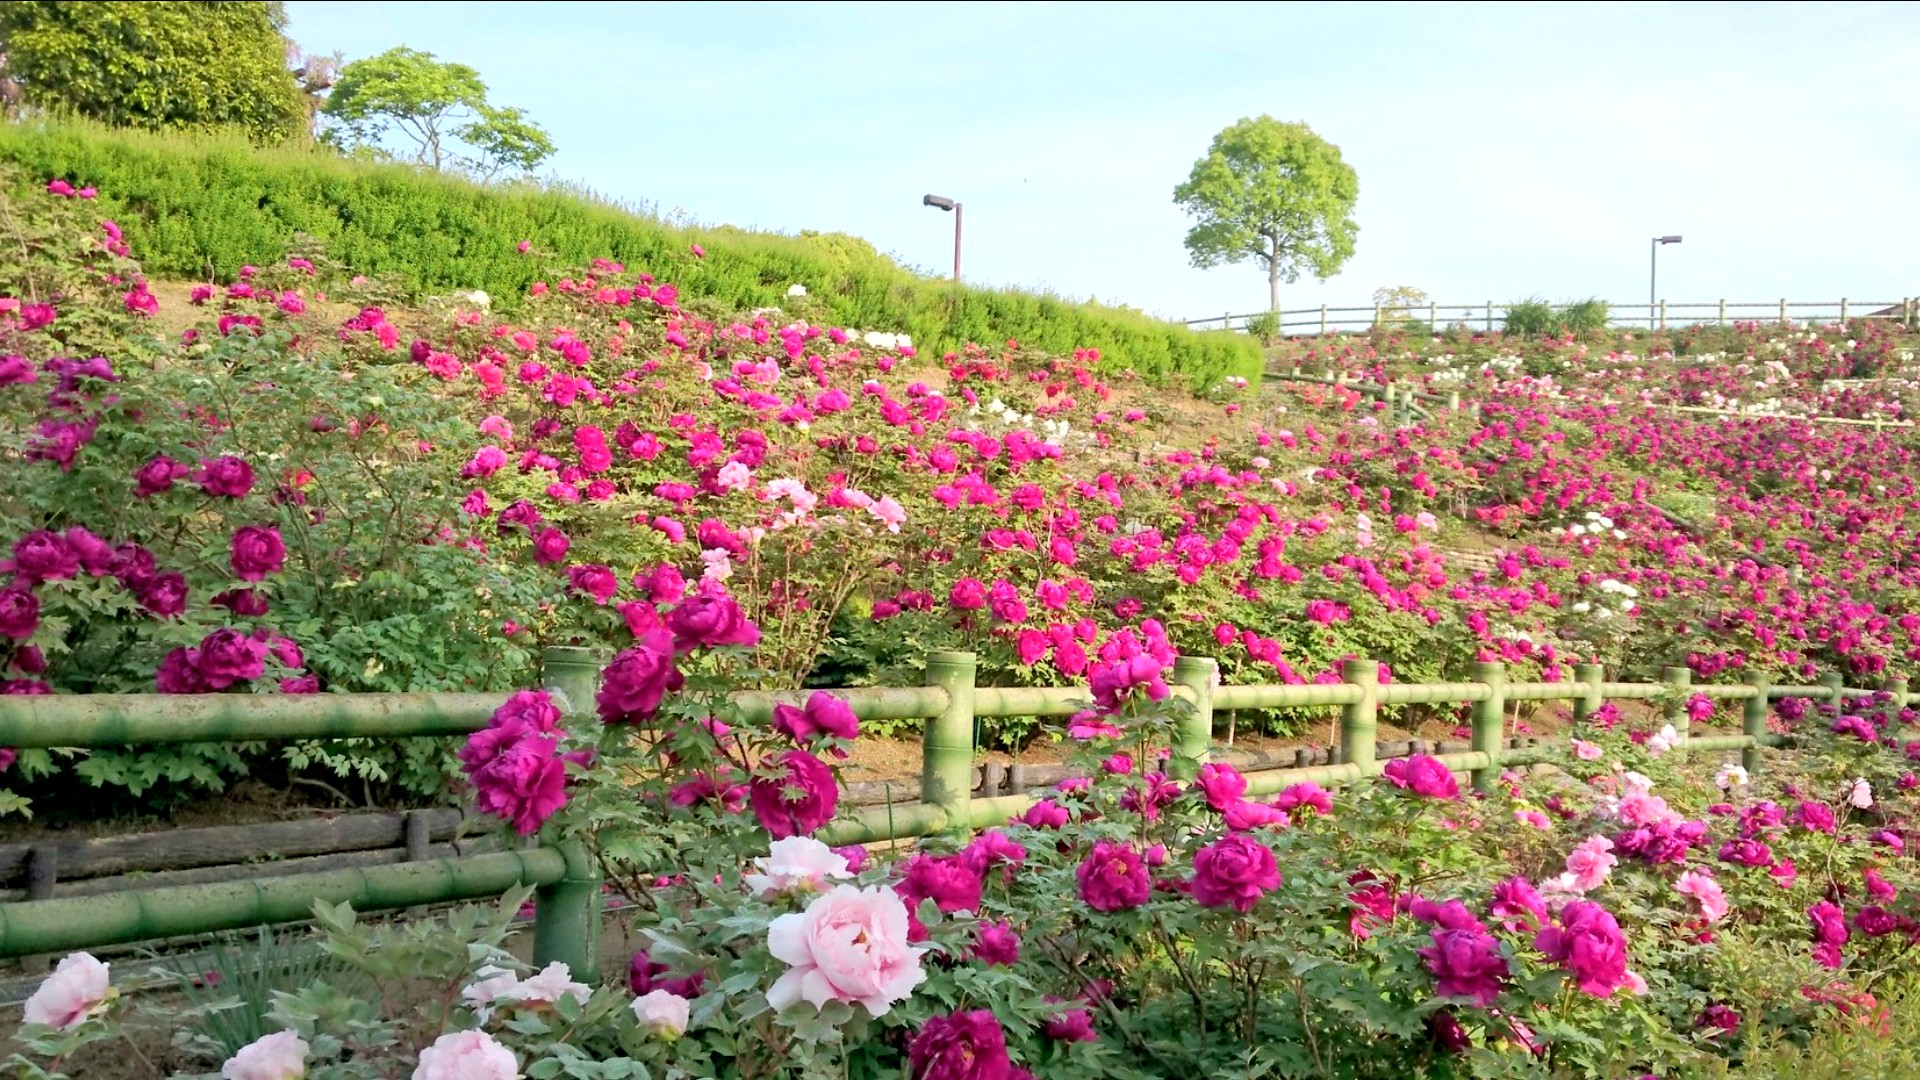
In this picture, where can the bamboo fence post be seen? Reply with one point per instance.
(1679, 677)
(946, 769)
(1591, 701)
(1489, 718)
(1195, 742)
(566, 913)
(1360, 720)
(1753, 723)
(1834, 682)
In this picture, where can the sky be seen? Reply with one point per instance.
(1503, 151)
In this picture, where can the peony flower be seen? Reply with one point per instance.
(1234, 871)
(1114, 878)
(664, 1014)
(1223, 785)
(1860, 795)
(19, 613)
(257, 552)
(1424, 775)
(644, 976)
(550, 546)
(710, 618)
(229, 477)
(797, 864)
(1702, 887)
(850, 944)
(961, 1046)
(1589, 945)
(1586, 751)
(632, 686)
(1467, 963)
(1731, 776)
(1829, 932)
(1588, 864)
(230, 656)
(279, 1056)
(1663, 740)
(996, 944)
(43, 556)
(467, 1055)
(1072, 1025)
(1309, 795)
(950, 881)
(823, 715)
(77, 990)
(796, 801)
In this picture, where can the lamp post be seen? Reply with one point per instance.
(1653, 277)
(943, 203)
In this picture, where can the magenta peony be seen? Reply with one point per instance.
(1589, 945)
(1222, 784)
(1234, 871)
(1467, 963)
(796, 796)
(950, 881)
(1423, 775)
(19, 613)
(823, 715)
(42, 556)
(229, 656)
(633, 685)
(962, 1046)
(1114, 878)
(644, 976)
(257, 552)
(996, 944)
(710, 618)
(229, 477)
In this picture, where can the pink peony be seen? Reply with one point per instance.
(1518, 905)
(633, 685)
(950, 881)
(594, 580)
(1114, 878)
(850, 944)
(467, 1055)
(77, 990)
(823, 715)
(663, 1014)
(1589, 863)
(279, 1056)
(43, 556)
(1589, 945)
(550, 546)
(1311, 796)
(1586, 751)
(1829, 932)
(19, 613)
(710, 618)
(798, 796)
(1423, 775)
(1701, 886)
(996, 945)
(962, 1046)
(257, 552)
(229, 656)
(1223, 785)
(797, 864)
(1234, 871)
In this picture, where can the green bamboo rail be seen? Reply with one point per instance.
(566, 877)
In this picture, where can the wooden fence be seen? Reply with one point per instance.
(1488, 316)
(954, 795)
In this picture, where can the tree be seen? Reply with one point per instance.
(165, 64)
(1273, 192)
(440, 107)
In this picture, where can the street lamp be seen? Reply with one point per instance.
(1653, 275)
(941, 202)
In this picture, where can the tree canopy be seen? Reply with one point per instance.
(1275, 193)
(437, 107)
(159, 64)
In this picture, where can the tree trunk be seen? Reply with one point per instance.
(1273, 286)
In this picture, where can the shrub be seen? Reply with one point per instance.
(1264, 327)
(1585, 318)
(1531, 318)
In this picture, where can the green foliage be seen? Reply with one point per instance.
(1585, 317)
(1275, 193)
(231, 988)
(1535, 317)
(429, 103)
(157, 64)
(204, 207)
(1264, 327)
(1532, 317)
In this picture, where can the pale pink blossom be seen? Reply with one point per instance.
(1663, 740)
(1588, 865)
(890, 512)
(1586, 751)
(467, 1055)
(719, 565)
(1703, 888)
(663, 1013)
(1731, 776)
(797, 863)
(279, 1056)
(850, 944)
(77, 990)
(1860, 795)
(734, 476)
(499, 989)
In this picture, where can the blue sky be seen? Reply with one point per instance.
(1502, 150)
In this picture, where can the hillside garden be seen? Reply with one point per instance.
(283, 481)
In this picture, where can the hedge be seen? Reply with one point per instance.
(201, 206)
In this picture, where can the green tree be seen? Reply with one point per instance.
(1273, 192)
(156, 64)
(441, 108)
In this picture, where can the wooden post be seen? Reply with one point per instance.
(1433, 316)
(1376, 317)
(1843, 310)
(1360, 721)
(1723, 313)
(43, 869)
(1753, 722)
(1453, 400)
(1783, 309)
(1489, 715)
(1663, 314)
(1489, 316)
(1323, 320)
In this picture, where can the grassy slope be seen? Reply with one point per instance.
(203, 206)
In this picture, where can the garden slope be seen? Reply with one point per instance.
(202, 207)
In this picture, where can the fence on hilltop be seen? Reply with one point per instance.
(1488, 315)
(953, 795)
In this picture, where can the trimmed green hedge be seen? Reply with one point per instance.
(196, 206)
